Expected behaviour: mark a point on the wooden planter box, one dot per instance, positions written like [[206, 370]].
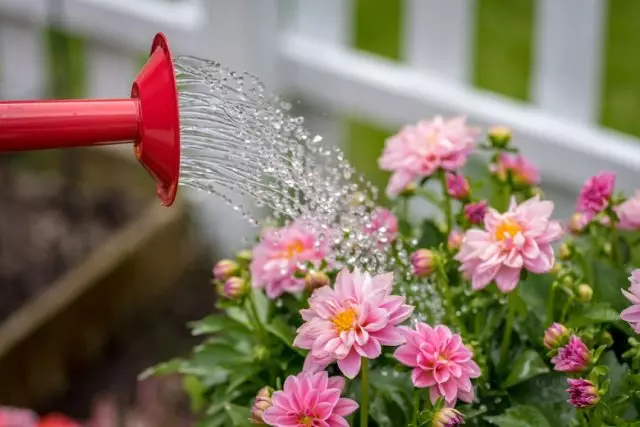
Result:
[[71, 321]]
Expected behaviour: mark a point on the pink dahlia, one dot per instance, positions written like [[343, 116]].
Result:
[[417, 151], [351, 321], [521, 169], [555, 336], [629, 213], [280, 253], [632, 314], [15, 417], [457, 186], [384, 225], [519, 238], [310, 400], [440, 361], [595, 194], [454, 241], [582, 393], [573, 357]]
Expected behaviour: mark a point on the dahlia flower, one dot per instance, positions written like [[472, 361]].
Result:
[[422, 262], [419, 151], [521, 169], [629, 213], [632, 314], [555, 336], [447, 417], [455, 240], [224, 269], [279, 254], [440, 361], [519, 238], [261, 404], [573, 357], [582, 393], [310, 400], [351, 321], [17, 417], [595, 194]]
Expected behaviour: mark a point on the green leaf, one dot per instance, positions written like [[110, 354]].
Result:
[[546, 393], [212, 355], [534, 291], [239, 415], [165, 368], [195, 389], [430, 235], [528, 365], [262, 303], [608, 282], [593, 314], [405, 227], [217, 323], [284, 332], [520, 416], [378, 411]]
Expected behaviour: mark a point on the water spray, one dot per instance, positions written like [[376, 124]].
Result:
[[150, 119]]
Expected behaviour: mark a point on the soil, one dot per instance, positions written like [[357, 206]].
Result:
[[49, 222]]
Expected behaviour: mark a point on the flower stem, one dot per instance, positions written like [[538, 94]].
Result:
[[254, 314], [446, 202], [364, 398], [552, 293], [506, 335], [416, 407], [615, 246], [443, 282]]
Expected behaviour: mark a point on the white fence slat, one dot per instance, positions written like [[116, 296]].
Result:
[[326, 20], [22, 61], [568, 53], [438, 36], [110, 71]]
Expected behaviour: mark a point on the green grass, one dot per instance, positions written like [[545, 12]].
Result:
[[621, 86]]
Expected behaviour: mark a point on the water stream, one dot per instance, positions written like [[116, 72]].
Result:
[[238, 139]]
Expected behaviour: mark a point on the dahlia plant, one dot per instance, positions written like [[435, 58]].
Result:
[[533, 319]]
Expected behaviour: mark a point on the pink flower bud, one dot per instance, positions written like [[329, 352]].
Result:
[[457, 186], [447, 417], [475, 212], [574, 357], [499, 136], [577, 223], [261, 404], [596, 193], [582, 393], [224, 269], [454, 240], [555, 336], [234, 288], [422, 263]]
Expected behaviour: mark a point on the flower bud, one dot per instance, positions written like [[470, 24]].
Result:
[[606, 338], [573, 357], [316, 279], [447, 417], [475, 212], [245, 255], [224, 269], [577, 223], [261, 404], [564, 252], [582, 393], [422, 263], [457, 186], [555, 336], [537, 191], [454, 241], [499, 136], [555, 270], [585, 293], [234, 288], [409, 190]]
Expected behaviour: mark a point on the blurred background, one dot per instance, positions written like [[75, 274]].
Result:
[[97, 281]]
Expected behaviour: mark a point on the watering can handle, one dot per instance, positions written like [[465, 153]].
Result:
[[41, 125]]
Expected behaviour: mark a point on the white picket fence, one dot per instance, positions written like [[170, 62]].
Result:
[[302, 48]]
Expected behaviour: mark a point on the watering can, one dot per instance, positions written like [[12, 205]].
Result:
[[149, 119]]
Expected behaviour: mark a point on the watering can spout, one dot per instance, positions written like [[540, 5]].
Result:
[[149, 119]]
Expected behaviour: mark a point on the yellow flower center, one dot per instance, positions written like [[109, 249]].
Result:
[[292, 249], [344, 320], [306, 420], [508, 229]]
